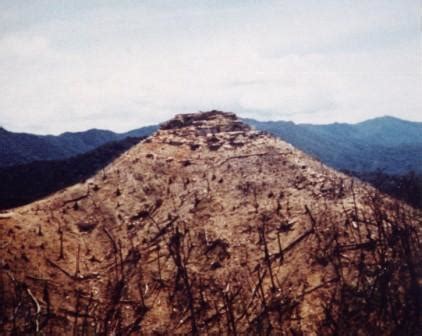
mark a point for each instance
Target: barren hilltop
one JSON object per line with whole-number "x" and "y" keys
{"x": 209, "y": 227}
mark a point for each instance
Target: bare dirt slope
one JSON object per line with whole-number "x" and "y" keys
{"x": 209, "y": 227}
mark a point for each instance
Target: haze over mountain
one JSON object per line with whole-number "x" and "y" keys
{"x": 211, "y": 227}
{"x": 19, "y": 148}
{"x": 387, "y": 143}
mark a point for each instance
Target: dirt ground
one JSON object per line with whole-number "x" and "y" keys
{"x": 209, "y": 227}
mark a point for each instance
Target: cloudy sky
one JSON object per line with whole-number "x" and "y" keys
{"x": 74, "y": 65}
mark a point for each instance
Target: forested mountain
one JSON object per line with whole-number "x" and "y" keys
{"x": 24, "y": 183}
{"x": 388, "y": 144}
{"x": 20, "y": 148}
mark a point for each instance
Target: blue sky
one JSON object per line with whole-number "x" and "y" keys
{"x": 74, "y": 65}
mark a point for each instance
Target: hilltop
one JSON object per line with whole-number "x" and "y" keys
{"x": 211, "y": 227}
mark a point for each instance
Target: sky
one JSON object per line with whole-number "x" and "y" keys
{"x": 119, "y": 65}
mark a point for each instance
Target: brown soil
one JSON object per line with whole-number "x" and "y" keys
{"x": 210, "y": 227}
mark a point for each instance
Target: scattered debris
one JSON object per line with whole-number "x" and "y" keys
{"x": 222, "y": 231}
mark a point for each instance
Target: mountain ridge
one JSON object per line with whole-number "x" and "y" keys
{"x": 25, "y": 183}
{"x": 377, "y": 144}
{"x": 211, "y": 227}
{"x": 386, "y": 143}
{"x": 20, "y": 148}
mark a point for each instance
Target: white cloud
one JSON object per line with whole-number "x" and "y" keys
{"x": 120, "y": 65}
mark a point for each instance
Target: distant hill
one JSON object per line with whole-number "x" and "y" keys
{"x": 388, "y": 144}
{"x": 21, "y": 148}
{"x": 209, "y": 227}
{"x": 24, "y": 183}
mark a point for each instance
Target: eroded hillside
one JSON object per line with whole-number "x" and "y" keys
{"x": 210, "y": 227}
